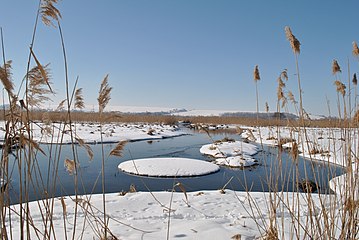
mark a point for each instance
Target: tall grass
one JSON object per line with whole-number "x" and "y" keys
{"x": 334, "y": 216}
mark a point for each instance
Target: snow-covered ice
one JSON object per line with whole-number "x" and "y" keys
{"x": 168, "y": 167}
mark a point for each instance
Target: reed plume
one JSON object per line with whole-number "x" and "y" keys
{"x": 291, "y": 97}
{"x": 49, "y": 12}
{"x": 340, "y": 87}
{"x": 256, "y": 76}
{"x": 117, "y": 151}
{"x": 294, "y": 42}
{"x": 284, "y": 75}
{"x": 355, "y": 80}
{"x": 70, "y": 166}
{"x": 104, "y": 94}
{"x": 88, "y": 149}
{"x": 6, "y": 77}
{"x": 281, "y": 86}
{"x": 39, "y": 80}
{"x": 61, "y": 106}
{"x": 355, "y": 49}
{"x": 335, "y": 67}
{"x": 44, "y": 73}
{"x": 79, "y": 100}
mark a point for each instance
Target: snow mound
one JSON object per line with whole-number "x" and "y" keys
{"x": 168, "y": 167}
{"x": 237, "y": 161}
{"x": 232, "y": 153}
{"x": 228, "y": 149}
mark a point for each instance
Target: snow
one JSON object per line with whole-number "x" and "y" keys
{"x": 203, "y": 214}
{"x": 237, "y": 161}
{"x": 91, "y": 132}
{"x": 319, "y": 144}
{"x": 192, "y": 215}
{"x": 233, "y": 153}
{"x": 168, "y": 167}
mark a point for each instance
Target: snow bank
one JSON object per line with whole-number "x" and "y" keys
{"x": 168, "y": 167}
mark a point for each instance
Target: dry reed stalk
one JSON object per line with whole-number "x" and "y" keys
{"x": 103, "y": 99}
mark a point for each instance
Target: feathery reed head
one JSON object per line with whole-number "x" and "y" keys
{"x": 61, "y": 106}
{"x": 117, "y": 151}
{"x": 284, "y": 75}
{"x": 335, "y": 67}
{"x": 39, "y": 81}
{"x": 340, "y": 87}
{"x": 49, "y": 12}
{"x": 281, "y": 84}
{"x": 355, "y": 49}
{"x": 355, "y": 80}
{"x": 294, "y": 42}
{"x": 42, "y": 70}
{"x": 291, "y": 97}
{"x": 70, "y": 166}
{"x": 5, "y": 77}
{"x": 104, "y": 94}
{"x": 295, "y": 151}
{"x": 88, "y": 149}
{"x": 79, "y": 100}
{"x": 256, "y": 76}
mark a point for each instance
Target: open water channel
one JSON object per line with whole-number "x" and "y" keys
{"x": 256, "y": 178}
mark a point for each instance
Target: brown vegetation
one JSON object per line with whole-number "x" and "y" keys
{"x": 80, "y": 116}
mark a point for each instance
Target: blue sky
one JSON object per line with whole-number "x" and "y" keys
{"x": 197, "y": 54}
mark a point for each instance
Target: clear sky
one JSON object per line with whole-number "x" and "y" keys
{"x": 195, "y": 54}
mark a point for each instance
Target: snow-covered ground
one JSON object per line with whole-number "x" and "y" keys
{"x": 91, "y": 132}
{"x": 203, "y": 214}
{"x": 322, "y": 144}
{"x": 194, "y": 215}
{"x": 330, "y": 145}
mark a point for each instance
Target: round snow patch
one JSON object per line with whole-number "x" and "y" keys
{"x": 168, "y": 167}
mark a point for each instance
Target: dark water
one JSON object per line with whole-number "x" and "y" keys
{"x": 279, "y": 171}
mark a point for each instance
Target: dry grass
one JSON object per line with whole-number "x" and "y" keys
{"x": 111, "y": 117}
